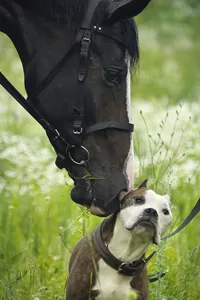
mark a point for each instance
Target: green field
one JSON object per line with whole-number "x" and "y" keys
{"x": 39, "y": 224}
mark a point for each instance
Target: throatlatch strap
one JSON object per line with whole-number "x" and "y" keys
{"x": 106, "y": 31}
{"x": 53, "y": 73}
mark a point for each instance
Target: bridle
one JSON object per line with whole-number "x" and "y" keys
{"x": 63, "y": 147}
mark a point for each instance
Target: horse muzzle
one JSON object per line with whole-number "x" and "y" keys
{"x": 84, "y": 194}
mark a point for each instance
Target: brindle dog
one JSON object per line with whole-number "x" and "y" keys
{"x": 142, "y": 220}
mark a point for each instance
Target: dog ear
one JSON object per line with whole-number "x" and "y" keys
{"x": 143, "y": 184}
{"x": 125, "y": 9}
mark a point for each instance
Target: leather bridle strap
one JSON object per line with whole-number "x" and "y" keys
{"x": 53, "y": 73}
{"x": 58, "y": 140}
{"x": 47, "y": 126}
{"x": 109, "y": 125}
{"x": 106, "y": 31}
{"x": 128, "y": 269}
{"x": 83, "y": 42}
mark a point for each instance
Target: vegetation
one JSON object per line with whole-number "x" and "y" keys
{"x": 39, "y": 224}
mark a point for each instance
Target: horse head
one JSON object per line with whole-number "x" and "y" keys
{"x": 88, "y": 98}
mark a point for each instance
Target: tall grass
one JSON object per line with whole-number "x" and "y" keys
{"x": 165, "y": 157}
{"x": 39, "y": 224}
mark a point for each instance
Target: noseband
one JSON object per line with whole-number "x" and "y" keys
{"x": 65, "y": 148}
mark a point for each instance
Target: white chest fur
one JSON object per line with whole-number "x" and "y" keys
{"x": 111, "y": 284}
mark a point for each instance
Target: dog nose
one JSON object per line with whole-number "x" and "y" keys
{"x": 151, "y": 212}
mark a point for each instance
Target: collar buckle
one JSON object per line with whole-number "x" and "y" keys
{"x": 131, "y": 269}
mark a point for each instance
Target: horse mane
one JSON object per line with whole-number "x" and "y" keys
{"x": 72, "y": 11}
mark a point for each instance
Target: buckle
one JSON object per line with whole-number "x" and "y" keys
{"x": 57, "y": 135}
{"x": 86, "y": 40}
{"x": 79, "y": 131}
{"x": 131, "y": 269}
{"x": 85, "y": 46}
{"x": 121, "y": 268}
{"x": 77, "y": 128}
{"x": 127, "y": 269}
{"x": 78, "y": 121}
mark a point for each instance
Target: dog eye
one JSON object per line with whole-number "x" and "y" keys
{"x": 165, "y": 212}
{"x": 139, "y": 200}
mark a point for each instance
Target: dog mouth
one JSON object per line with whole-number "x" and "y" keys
{"x": 147, "y": 224}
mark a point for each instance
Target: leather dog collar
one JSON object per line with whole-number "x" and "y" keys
{"x": 128, "y": 269}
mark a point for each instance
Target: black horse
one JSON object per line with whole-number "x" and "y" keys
{"x": 76, "y": 56}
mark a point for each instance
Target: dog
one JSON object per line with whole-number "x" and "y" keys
{"x": 125, "y": 237}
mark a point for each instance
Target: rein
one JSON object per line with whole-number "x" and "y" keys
{"x": 187, "y": 220}
{"x": 132, "y": 268}
{"x": 79, "y": 131}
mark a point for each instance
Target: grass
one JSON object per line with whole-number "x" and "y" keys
{"x": 39, "y": 224}
{"x": 164, "y": 157}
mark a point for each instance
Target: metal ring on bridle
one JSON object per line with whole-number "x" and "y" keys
{"x": 82, "y": 162}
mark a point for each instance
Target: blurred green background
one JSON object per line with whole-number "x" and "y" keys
{"x": 39, "y": 224}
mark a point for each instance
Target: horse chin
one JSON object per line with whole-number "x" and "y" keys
{"x": 97, "y": 211}
{"x": 83, "y": 194}
{"x": 110, "y": 208}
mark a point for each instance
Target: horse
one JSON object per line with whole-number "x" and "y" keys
{"x": 77, "y": 56}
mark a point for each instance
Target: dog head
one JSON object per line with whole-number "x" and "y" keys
{"x": 145, "y": 213}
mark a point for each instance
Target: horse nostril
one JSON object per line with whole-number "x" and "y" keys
{"x": 82, "y": 194}
{"x": 151, "y": 212}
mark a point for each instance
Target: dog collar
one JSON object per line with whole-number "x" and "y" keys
{"x": 128, "y": 269}
{"x": 131, "y": 269}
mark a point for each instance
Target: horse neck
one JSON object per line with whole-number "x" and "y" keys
{"x": 13, "y": 17}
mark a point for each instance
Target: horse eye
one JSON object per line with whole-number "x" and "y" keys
{"x": 139, "y": 200}
{"x": 165, "y": 211}
{"x": 114, "y": 76}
